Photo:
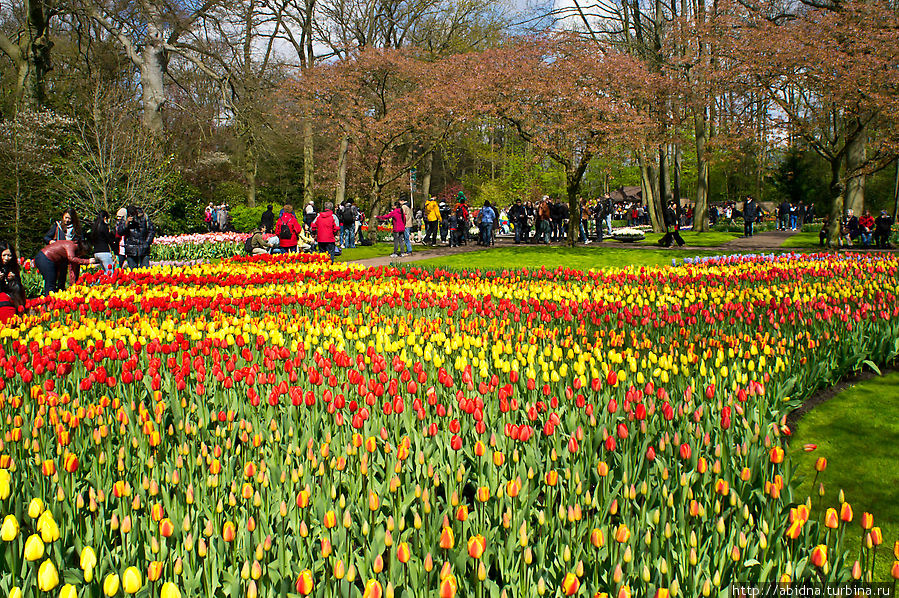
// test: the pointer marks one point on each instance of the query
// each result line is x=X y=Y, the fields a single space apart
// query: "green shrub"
x=245 y=219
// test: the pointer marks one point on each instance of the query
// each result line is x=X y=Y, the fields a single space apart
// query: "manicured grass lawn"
x=362 y=253
x=709 y=239
x=533 y=257
x=858 y=432
x=801 y=240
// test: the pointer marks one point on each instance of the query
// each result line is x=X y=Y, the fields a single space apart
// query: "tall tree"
x=566 y=99
x=831 y=75
x=29 y=50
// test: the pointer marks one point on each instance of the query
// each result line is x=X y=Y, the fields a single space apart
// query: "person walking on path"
x=138 y=231
x=750 y=214
x=267 y=221
x=486 y=218
x=325 y=227
x=104 y=241
x=53 y=260
x=288 y=230
x=672 y=223
x=433 y=218
x=398 y=220
x=408 y=221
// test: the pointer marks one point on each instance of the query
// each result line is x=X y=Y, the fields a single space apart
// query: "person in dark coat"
x=267 y=222
x=672 y=223
x=104 y=241
x=138 y=233
x=67 y=228
x=883 y=225
x=750 y=215
x=12 y=291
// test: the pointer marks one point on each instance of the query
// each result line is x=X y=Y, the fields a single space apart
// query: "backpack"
x=248 y=245
x=284 y=231
x=348 y=216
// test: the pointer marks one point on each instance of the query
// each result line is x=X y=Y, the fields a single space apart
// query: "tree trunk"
x=855 y=186
x=574 y=208
x=252 y=164
x=343 y=150
x=649 y=196
x=896 y=193
x=152 y=73
x=676 y=174
x=427 y=166
x=375 y=210
x=308 y=165
x=836 y=210
x=664 y=176
x=701 y=209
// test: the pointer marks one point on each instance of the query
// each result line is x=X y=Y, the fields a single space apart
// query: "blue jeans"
x=347 y=238
x=609 y=224
x=407 y=241
x=107 y=261
x=583 y=232
x=792 y=220
x=486 y=233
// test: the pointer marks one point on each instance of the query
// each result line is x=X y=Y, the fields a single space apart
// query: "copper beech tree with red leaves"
x=387 y=103
x=570 y=99
x=831 y=72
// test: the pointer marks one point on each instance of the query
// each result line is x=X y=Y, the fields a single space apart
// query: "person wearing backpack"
x=256 y=243
x=348 y=217
x=325 y=227
x=287 y=229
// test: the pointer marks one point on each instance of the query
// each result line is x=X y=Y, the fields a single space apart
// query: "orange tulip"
x=776 y=455
x=48 y=468
x=166 y=528
x=462 y=513
x=70 y=463
x=831 y=519
x=570 y=584
x=403 y=554
x=448 y=587
x=896 y=550
x=846 y=512
x=819 y=555
x=483 y=493
x=330 y=519
x=820 y=464
x=373 y=501
x=228 y=532
x=867 y=521
x=304 y=583
x=373 y=589
x=154 y=571
x=447 y=540
x=552 y=478
x=895 y=570
x=876 y=536
x=476 y=546
x=596 y=538
x=622 y=534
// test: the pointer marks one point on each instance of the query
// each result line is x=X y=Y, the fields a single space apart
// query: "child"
x=452 y=225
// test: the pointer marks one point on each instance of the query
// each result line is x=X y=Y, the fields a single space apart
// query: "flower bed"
x=628 y=235
x=208 y=246
x=276 y=425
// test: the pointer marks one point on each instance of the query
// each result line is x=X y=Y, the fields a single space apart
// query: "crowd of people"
x=218 y=218
x=862 y=231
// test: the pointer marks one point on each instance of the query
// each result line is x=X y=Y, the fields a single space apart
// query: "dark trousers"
x=430 y=232
x=54 y=274
x=747 y=228
x=671 y=237
x=139 y=261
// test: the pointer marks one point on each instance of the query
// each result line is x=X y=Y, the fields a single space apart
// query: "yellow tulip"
x=10 y=528
x=131 y=580
x=88 y=558
x=5 y=486
x=111 y=584
x=35 y=508
x=15 y=592
x=34 y=548
x=170 y=590
x=47 y=576
x=68 y=591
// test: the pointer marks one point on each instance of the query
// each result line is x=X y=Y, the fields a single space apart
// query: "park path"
x=759 y=242
x=766 y=241
x=420 y=253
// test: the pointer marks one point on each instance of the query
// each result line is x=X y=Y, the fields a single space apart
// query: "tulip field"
x=282 y=426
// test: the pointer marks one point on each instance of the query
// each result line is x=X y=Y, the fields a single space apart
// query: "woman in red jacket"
x=287 y=229
x=52 y=261
x=326 y=226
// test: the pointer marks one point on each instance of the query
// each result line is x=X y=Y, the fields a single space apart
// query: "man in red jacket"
x=326 y=226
